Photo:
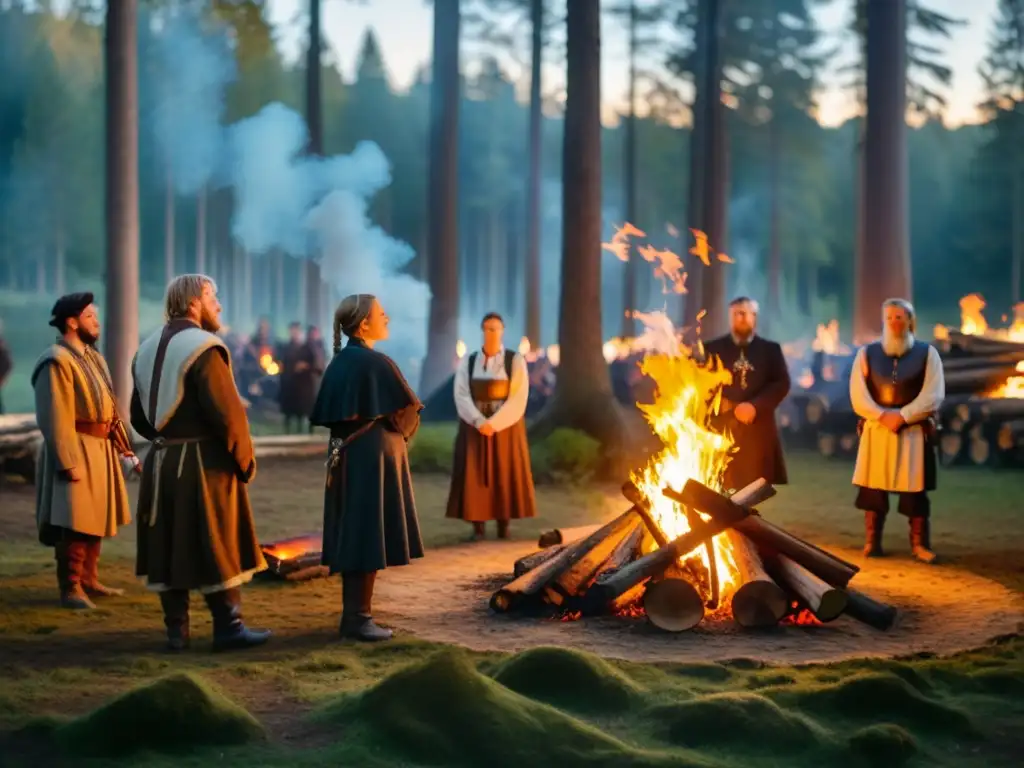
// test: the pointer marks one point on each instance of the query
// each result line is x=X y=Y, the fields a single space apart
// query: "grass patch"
x=178 y=713
x=885 y=744
x=445 y=712
x=571 y=679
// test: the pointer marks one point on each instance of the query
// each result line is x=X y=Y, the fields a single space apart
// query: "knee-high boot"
x=874 y=524
x=91 y=575
x=356 y=613
x=70 y=556
x=229 y=632
x=920 y=540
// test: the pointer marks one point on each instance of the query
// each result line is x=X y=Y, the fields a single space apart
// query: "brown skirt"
x=491 y=476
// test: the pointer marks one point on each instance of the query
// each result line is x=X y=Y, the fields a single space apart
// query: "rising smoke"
x=285 y=201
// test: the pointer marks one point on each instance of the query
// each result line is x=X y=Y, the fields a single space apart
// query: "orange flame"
x=669 y=267
x=827 y=339
x=268 y=364
x=460 y=349
x=1014 y=386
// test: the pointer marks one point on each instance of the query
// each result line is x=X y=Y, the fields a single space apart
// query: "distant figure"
x=760 y=382
x=80 y=491
x=896 y=387
x=370 y=520
x=293 y=358
x=6 y=365
x=258 y=351
x=308 y=380
x=491 y=476
x=195 y=529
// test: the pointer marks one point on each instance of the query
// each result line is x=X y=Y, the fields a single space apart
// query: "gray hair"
x=182 y=291
x=752 y=303
x=906 y=306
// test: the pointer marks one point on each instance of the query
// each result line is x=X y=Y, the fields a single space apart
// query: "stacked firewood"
x=978 y=426
x=629 y=564
x=19 y=442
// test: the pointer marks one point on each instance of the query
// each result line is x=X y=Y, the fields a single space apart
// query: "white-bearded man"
x=896 y=387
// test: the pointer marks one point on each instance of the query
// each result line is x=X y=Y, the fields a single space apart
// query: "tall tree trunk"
x=533 y=189
x=496 y=255
x=629 y=285
x=583 y=396
x=315 y=126
x=514 y=247
x=1017 y=247
x=715 y=180
x=695 y=204
x=169 y=229
x=443 y=192
x=774 y=309
x=884 y=270
x=60 y=260
x=278 y=258
x=201 y=206
x=41 y=272
x=122 y=194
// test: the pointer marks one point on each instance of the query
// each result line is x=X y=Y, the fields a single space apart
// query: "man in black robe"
x=760 y=382
x=292 y=355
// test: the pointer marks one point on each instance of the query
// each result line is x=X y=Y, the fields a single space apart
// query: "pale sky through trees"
x=404 y=30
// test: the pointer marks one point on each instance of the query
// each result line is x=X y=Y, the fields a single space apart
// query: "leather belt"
x=99 y=429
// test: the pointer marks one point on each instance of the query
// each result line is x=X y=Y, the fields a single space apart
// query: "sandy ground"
x=444 y=598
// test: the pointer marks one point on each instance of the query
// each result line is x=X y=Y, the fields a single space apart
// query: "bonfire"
x=685 y=549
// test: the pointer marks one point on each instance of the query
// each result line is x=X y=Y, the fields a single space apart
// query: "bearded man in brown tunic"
x=195 y=524
x=491 y=477
x=80 y=493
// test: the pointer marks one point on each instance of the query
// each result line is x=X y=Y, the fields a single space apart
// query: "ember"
x=295 y=559
x=268 y=364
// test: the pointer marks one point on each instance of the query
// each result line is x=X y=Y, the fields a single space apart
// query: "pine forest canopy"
x=963 y=182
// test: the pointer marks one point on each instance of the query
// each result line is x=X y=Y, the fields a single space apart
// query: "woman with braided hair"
x=370 y=520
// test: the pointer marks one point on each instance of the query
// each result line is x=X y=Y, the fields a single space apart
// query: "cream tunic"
x=889 y=461
x=512 y=410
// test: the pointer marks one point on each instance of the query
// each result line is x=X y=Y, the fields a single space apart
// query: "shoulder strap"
x=472 y=364
x=510 y=355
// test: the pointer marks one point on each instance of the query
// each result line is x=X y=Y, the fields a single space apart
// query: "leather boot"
x=91 y=575
x=503 y=529
x=874 y=524
x=920 y=540
x=176 y=618
x=70 y=565
x=229 y=632
x=478 y=532
x=356 y=618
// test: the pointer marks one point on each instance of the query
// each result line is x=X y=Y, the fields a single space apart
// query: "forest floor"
x=448 y=690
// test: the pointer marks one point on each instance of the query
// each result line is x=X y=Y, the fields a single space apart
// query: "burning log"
x=965 y=343
x=758 y=601
x=534 y=559
x=673 y=603
x=970 y=362
x=574 y=580
x=773 y=539
x=824 y=601
x=868 y=611
x=531 y=584
x=295 y=559
x=724 y=512
x=978 y=379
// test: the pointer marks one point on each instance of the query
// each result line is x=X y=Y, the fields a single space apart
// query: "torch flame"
x=460 y=349
x=972 y=321
x=524 y=346
x=268 y=364
x=827 y=339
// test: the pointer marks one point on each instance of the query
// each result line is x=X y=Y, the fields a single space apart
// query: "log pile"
x=20 y=439
x=979 y=422
x=628 y=565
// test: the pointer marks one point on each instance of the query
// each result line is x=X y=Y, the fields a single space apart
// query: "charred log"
x=869 y=611
x=534 y=559
x=773 y=539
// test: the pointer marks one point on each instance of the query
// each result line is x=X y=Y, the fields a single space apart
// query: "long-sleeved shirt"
x=512 y=410
x=886 y=460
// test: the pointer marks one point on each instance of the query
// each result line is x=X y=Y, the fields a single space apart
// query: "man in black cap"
x=80 y=491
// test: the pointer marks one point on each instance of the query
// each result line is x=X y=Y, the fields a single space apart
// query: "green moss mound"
x=881 y=696
x=715 y=673
x=732 y=720
x=570 y=679
x=175 y=714
x=884 y=744
x=444 y=712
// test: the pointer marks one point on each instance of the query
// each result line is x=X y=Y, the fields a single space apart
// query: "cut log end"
x=759 y=604
x=673 y=605
x=831 y=607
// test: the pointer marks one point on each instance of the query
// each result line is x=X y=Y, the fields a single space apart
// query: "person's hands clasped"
x=745 y=413
x=892 y=420
x=486 y=429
